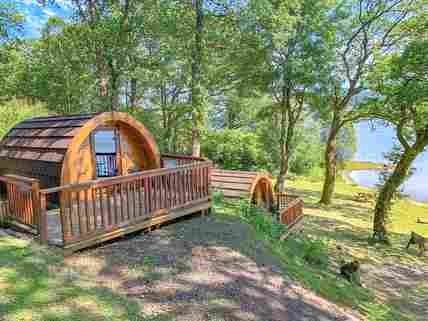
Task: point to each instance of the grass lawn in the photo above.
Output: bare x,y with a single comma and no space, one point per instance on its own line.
396,281
35,284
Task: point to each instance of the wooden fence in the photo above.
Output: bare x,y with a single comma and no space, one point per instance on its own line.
290,208
90,210
21,201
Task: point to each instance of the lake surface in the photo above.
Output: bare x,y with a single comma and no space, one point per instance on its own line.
372,144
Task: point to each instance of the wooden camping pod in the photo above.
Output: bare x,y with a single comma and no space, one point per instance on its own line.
59,150
255,186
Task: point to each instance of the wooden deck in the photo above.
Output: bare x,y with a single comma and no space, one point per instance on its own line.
55,232
95,211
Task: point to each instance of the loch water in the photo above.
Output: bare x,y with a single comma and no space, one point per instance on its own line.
372,144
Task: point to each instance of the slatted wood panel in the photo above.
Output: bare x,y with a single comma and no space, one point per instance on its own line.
233,184
290,208
98,207
255,186
22,196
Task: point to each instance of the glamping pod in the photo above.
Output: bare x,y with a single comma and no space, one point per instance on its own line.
81,180
61,150
255,186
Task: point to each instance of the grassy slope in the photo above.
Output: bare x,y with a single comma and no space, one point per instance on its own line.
395,286
347,225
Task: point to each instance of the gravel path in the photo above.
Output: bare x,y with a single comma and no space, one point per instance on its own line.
200,269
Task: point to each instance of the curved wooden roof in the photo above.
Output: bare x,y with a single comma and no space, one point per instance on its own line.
53,138
43,138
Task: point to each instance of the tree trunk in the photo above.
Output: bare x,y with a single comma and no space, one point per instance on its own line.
197,113
287,133
133,95
386,194
330,166
114,98
283,170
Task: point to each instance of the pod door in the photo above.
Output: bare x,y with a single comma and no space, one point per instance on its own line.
105,146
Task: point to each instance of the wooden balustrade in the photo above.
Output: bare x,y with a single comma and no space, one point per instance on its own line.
290,208
22,200
97,207
172,161
106,164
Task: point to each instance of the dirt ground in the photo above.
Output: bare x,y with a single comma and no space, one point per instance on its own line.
200,269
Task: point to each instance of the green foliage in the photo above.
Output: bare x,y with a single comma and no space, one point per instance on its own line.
261,220
315,252
218,198
307,151
234,149
15,111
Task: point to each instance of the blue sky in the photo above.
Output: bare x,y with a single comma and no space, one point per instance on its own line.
36,15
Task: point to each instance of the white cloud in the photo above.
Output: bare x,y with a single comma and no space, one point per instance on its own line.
30,2
49,12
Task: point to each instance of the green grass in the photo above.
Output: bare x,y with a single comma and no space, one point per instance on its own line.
34,285
360,165
305,258
340,233
348,224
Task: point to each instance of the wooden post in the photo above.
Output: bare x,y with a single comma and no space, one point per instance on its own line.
65,216
43,225
35,200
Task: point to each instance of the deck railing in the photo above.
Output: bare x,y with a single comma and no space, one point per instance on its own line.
22,194
106,164
172,161
290,208
104,205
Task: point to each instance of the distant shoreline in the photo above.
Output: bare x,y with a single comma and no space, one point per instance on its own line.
364,166
350,180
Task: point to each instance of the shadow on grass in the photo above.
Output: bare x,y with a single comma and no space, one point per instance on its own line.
395,274
35,286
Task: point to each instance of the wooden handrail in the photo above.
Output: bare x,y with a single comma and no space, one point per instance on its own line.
104,182
186,157
9,178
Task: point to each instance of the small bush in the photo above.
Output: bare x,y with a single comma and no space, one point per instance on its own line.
218,198
262,220
315,252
